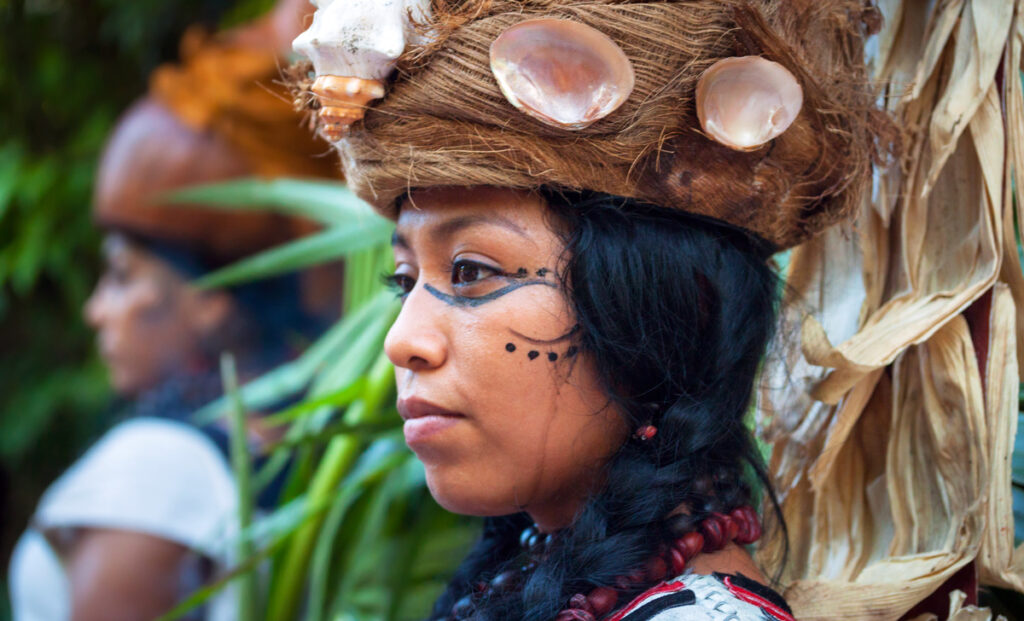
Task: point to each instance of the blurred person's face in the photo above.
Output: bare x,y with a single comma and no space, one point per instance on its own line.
150,322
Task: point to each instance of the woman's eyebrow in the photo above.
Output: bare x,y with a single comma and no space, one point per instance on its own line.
398,241
444,230
447,228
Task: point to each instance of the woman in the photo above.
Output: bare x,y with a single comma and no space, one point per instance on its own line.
533,355
586,195
144,517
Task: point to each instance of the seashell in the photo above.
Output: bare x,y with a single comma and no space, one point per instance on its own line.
359,38
343,102
562,73
746,101
354,45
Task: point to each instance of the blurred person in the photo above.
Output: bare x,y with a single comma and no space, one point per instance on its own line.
142,518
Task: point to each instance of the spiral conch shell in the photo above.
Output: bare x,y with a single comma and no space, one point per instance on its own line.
354,45
563,73
746,101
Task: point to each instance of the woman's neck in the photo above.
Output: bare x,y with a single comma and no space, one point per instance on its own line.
732,559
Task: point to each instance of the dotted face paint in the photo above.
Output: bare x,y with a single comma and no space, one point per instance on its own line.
552,356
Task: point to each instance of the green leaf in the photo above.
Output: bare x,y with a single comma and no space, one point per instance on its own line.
367,544
329,245
288,379
202,595
335,399
330,203
245,585
11,156
360,430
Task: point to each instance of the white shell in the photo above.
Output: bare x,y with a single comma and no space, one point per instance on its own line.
359,38
746,101
563,73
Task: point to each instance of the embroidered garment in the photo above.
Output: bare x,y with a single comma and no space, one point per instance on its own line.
718,597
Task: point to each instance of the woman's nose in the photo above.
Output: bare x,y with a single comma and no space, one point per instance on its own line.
94,307
417,341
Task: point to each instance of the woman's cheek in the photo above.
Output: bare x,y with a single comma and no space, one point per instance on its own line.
490,482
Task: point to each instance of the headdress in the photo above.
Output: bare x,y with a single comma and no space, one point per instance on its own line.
450,113
220,114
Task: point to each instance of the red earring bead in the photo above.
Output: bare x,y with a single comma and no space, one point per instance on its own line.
646,432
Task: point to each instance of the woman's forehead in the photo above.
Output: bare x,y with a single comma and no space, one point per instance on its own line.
443,212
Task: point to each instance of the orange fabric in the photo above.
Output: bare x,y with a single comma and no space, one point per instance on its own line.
236,92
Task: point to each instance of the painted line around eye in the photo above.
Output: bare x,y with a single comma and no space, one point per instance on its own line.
466,302
565,337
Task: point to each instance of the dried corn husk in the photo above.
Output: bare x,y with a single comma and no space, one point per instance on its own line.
891,446
959,612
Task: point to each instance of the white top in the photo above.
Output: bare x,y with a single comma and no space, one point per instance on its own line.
696,597
154,476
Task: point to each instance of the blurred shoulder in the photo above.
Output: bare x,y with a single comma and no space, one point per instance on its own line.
149,475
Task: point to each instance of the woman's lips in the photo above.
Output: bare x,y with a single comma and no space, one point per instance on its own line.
424,419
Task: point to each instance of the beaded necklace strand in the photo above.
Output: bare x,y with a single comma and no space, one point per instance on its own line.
741,525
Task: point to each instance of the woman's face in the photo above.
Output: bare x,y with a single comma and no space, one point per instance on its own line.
500,405
149,320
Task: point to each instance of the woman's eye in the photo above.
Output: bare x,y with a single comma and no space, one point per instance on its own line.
119,275
402,282
469,272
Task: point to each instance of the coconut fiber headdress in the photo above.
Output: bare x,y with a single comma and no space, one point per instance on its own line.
453,97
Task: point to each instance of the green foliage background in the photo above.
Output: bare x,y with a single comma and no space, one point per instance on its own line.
67,69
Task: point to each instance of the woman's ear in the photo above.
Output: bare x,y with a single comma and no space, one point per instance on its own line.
209,311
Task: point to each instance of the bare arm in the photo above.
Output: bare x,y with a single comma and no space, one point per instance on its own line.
118,575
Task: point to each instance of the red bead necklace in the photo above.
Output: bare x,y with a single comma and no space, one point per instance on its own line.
714,533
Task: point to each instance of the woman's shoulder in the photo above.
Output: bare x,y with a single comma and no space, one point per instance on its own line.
716,597
154,476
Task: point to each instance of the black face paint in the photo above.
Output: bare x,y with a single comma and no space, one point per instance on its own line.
542,272
510,348
520,273
466,302
533,355
552,356
572,351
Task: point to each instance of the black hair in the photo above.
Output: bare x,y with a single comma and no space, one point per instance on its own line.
676,313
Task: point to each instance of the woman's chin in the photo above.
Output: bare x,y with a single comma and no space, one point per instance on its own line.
467,496
125,383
